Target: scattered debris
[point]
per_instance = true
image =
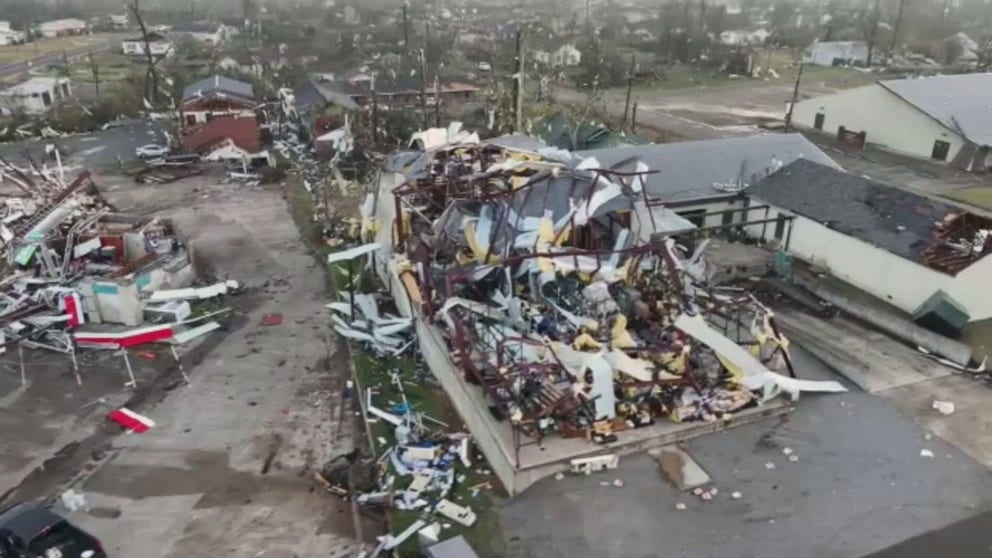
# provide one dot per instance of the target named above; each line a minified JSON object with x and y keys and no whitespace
{"x":131,"y":420}
{"x":680,"y":506}
{"x":273,"y":319}
{"x":769,"y":465}
{"x":943,"y":407}
{"x":926,"y":453}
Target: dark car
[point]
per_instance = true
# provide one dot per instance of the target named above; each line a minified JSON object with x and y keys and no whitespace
{"x":32,"y":531}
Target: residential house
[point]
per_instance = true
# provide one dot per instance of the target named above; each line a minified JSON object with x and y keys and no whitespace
{"x":702,"y":181}
{"x":63,"y":28}
{"x":158,"y":44}
{"x":35,"y":95}
{"x":207,"y":33}
{"x":401,"y":90}
{"x":10,"y":36}
{"x":566,"y":55}
{"x":942,"y":118}
{"x":120,"y":22}
{"x":898,"y":246}
{"x":216,"y":96}
{"x":837,"y":53}
{"x":218,"y":120}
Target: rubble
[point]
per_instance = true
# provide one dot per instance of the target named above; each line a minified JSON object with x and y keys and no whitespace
{"x":580,"y":310}
{"x":81,"y":277}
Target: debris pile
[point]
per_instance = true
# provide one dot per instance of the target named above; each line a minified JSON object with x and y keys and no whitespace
{"x":576,"y":306}
{"x":80,"y":276}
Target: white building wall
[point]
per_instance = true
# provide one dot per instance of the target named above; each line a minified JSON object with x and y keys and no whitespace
{"x":889,"y":122}
{"x":158,"y":48}
{"x":903,"y":283}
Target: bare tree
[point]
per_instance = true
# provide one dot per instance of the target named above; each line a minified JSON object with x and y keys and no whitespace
{"x":151,"y":73}
{"x":870,"y":29}
{"x":96,"y":74}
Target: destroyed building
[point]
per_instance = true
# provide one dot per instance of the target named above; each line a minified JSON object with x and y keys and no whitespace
{"x":557,"y":310}
{"x":82,"y":277}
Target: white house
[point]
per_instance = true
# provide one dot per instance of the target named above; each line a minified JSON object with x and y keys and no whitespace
{"x":119,"y":21}
{"x":63,"y":27}
{"x":566,"y":55}
{"x":158,"y":44}
{"x":35,"y":95}
{"x":943,"y":118}
{"x":898,"y":246}
{"x":837,"y":53}
{"x":10,"y":36}
{"x":208,"y":33}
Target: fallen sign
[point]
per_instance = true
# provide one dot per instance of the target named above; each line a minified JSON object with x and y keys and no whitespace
{"x":216,"y":289}
{"x":454,"y":512}
{"x":131,"y":420}
{"x":587,"y":465}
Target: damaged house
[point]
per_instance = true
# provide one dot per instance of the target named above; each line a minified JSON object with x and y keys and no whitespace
{"x":559,"y":313}
{"x":219,"y":119}
{"x":908,"y":250}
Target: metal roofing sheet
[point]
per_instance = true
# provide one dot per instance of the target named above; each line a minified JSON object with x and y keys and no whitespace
{"x":689,"y":170}
{"x":959,"y":102}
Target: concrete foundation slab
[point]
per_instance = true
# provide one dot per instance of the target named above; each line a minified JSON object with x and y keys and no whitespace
{"x":870,"y":359}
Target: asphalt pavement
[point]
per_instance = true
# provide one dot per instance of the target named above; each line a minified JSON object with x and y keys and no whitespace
{"x":97,"y":150}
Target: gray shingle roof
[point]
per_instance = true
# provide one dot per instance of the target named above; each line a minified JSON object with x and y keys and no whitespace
{"x":688,"y":171}
{"x":895,"y":220}
{"x":962,"y":103}
{"x":218,"y":83}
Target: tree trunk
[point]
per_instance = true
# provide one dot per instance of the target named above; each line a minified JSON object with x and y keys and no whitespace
{"x":151,"y":74}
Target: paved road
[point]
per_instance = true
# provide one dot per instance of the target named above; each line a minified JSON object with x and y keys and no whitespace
{"x":94,"y":151}
{"x":860,"y":485}
{"x":12,"y":69}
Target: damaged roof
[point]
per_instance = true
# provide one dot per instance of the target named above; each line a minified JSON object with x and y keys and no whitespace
{"x":959,"y":102}
{"x":690,"y":171}
{"x":895,"y":220}
{"x":220,"y":84}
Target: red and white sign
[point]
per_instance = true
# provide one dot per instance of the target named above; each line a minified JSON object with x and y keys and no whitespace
{"x":126,"y":339}
{"x":131,"y":420}
{"x":74,"y":308}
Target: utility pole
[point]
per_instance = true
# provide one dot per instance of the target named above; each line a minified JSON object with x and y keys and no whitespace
{"x":96,"y":75}
{"x":427,"y":39}
{"x":795,"y":98}
{"x":895,"y":26}
{"x":423,"y":88}
{"x":630,"y":85}
{"x":375,"y":112}
{"x":872,"y":33}
{"x":437,"y":104}
{"x":633,"y":119}
{"x":406,"y":33}
{"x":518,"y":93}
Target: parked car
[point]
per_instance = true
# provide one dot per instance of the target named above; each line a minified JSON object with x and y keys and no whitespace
{"x":151,"y":151}
{"x":33,"y":531}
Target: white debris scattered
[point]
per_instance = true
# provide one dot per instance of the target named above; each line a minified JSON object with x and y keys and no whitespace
{"x":735,"y":495}
{"x":943,"y":407}
{"x":680,"y":506}
{"x":793,"y":458}
{"x":786,"y":451}
{"x":73,"y":500}
{"x":769,"y":465}
{"x":926,"y":453}
{"x":618,"y":483}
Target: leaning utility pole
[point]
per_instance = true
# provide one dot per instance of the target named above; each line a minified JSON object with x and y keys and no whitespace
{"x":633,"y":119}
{"x":795,"y":98}
{"x":518,"y":91}
{"x":423,"y":89}
{"x":630,"y":84}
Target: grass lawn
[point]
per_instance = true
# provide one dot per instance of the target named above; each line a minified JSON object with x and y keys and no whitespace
{"x":370,"y":371}
{"x":980,"y":196}
{"x":41,"y":47}
{"x":683,"y":76}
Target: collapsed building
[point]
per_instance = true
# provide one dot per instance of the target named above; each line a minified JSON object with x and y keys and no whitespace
{"x":80,"y":276}
{"x":560,"y":310}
